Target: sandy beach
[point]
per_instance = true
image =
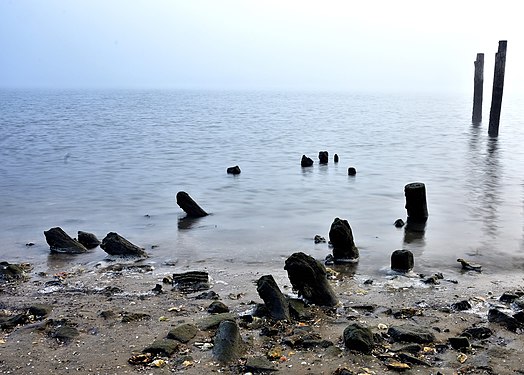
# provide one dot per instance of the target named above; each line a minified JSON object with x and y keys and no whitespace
{"x":94,"y":320}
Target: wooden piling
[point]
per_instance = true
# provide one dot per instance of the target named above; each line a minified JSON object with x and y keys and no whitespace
{"x":416,"y":205}
{"x":498,"y":88}
{"x":478,"y":88}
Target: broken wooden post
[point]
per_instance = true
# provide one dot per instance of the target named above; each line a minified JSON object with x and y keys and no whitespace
{"x":478,"y":88}
{"x":498,"y":88}
{"x":191,"y":208}
{"x":416,"y":204}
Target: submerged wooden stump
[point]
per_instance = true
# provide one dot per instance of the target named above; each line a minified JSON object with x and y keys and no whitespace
{"x":416,"y":205}
{"x":341,"y":237}
{"x":89,"y":240}
{"x":323,"y":157}
{"x":114,"y":244}
{"x":190,"y":207}
{"x":306,"y":162}
{"x":402,"y":261}
{"x":274,"y":300}
{"x":60,"y":242}
{"x":309,"y":278}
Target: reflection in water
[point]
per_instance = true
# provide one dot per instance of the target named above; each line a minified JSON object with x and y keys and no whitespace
{"x":187,"y":222}
{"x":491,"y":186}
{"x":414,"y":236}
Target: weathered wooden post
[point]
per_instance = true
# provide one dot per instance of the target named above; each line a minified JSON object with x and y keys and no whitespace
{"x":478,"y":88}
{"x":416,"y":205}
{"x":498,"y":88}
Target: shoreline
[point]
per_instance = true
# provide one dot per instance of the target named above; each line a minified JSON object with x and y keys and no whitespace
{"x":97,"y":301}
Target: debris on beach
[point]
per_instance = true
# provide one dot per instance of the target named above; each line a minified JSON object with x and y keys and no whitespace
{"x":60,"y":242}
{"x":469,"y":266}
{"x":309,"y":278}
{"x":191,"y":281}
{"x":190,"y":207}
{"x":12,"y":272}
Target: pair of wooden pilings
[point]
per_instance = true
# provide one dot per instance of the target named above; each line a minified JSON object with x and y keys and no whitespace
{"x":498,"y":88}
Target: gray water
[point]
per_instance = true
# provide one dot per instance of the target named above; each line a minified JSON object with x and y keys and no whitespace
{"x":102,"y":161}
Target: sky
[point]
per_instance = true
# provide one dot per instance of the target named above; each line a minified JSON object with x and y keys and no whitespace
{"x":327,"y":45}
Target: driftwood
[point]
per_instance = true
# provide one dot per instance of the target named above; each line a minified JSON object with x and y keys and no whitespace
{"x":114,"y":244}
{"x":190,"y":207}
{"x":275,"y":301}
{"x":60,"y":242}
{"x":308,"y":276}
{"x":191,"y":281}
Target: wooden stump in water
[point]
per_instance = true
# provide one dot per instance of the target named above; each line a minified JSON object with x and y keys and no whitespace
{"x":498,"y":89}
{"x":274,"y":300}
{"x":114,"y":244}
{"x":402,"y":261}
{"x":190,"y":207}
{"x":323,"y":157}
{"x":416,"y":205}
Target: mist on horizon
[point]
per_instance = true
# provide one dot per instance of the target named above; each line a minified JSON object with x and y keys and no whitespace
{"x":271,"y":45}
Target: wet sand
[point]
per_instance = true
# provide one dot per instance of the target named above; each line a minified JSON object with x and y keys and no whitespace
{"x":115,"y":315}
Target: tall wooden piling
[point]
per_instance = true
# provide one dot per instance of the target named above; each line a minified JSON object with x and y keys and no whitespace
{"x":498,"y":88}
{"x":478,"y":88}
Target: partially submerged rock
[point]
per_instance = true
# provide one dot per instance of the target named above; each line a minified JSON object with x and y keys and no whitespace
{"x":60,"y":242}
{"x":233,"y":170}
{"x":306,"y":162}
{"x":190,"y":207}
{"x":309,"y":278}
{"x":228,"y":344}
{"x":341,"y":237}
{"x":114,"y":244}
{"x":89,"y":240}
{"x":276,"y":303}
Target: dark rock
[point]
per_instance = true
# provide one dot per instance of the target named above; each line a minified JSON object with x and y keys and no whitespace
{"x":519,"y":317}
{"x":192,"y":281}
{"x":260,"y":310}
{"x":319,"y":239}
{"x":416,"y":205}
{"x":228,"y":344}
{"x":343,"y":371}
{"x":7,"y":323}
{"x":40,"y":310}
{"x":233,"y":170}
{"x":410,"y":348}
{"x":107,"y":314}
{"x":60,"y":242}
{"x":134,"y":317}
{"x":157,"y":289}
{"x":89,"y":240}
{"x":183,"y":332}
{"x":402,"y":261}
{"x":64,"y":333}
{"x":10,"y":271}
{"x":208,"y":295}
{"x":478,"y":333}
{"x":260,"y":364}
{"x":497,"y":316}
{"x":190,"y":207}
{"x":352,"y":171}
{"x":411,"y":333}
{"x":308,"y":276}
{"x":399,"y":223}
{"x":214,"y":320}
{"x":298,"y":310}
{"x":336,"y":158}
{"x":306,"y":162}
{"x":461,"y":306}
{"x":358,"y":337}
{"x":276,"y":303}
{"x":341,"y":237}
{"x":323,"y":157}
{"x":217,"y":307}
{"x":458,"y":343}
{"x":508,"y":297}
{"x":162,"y":347}
{"x":413,"y":360}
{"x":114,"y":244}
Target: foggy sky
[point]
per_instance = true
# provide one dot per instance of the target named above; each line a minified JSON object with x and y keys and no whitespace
{"x":242,"y":44}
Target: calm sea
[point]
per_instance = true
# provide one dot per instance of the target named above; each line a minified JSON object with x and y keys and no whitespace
{"x":103,"y":161}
